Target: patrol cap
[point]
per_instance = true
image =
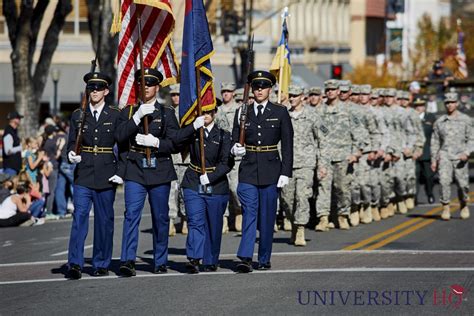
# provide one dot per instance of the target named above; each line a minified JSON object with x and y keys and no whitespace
{"x":344,"y":85}
{"x":355,"y":89}
{"x":14,"y":115}
{"x":390,"y":92}
{"x":152,"y":76}
{"x":174,"y":88}
{"x":251,"y":95}
{"x":295,"y":90}
{"x":239,"y":94}
{"x":419,"y":101}
{"x":331,"y":84}
{"x":399,"y":94}
{"x":451,"y":97}
{"x":228,"y":86}
{"x":97,"y":81}
{"x":406,"y":95}
{"x":365,"y":88}
{"x":375,"y":93}
{"x":315,"y":91}
{"x":261,"y":79}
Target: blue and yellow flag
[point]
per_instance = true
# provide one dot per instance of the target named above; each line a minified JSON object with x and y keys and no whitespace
{"x":197,"y":51}
{"x":281,"y":61}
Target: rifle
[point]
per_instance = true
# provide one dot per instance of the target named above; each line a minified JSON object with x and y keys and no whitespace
{"x":245,"y":103}
{"x":82,"y":117}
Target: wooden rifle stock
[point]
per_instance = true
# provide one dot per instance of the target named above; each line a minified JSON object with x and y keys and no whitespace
{"x":82,"y":117}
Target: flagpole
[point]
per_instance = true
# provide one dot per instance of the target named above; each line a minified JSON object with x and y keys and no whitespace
{"x":142,"y":80}
{"x":201,"y":130}
{"x":282,"y":56}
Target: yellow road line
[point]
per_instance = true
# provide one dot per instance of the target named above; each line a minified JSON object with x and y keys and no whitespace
{"x":403,"y":233}
{"x":401,"y":226}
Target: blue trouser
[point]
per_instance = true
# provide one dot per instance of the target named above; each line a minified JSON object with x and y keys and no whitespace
{"x":259,"y":206}
{"x":65,"y":179}
{"x":103,"y":225}
{"x":135,"y":194}
{"x":205,"y":214}
{"x":36,"y":208}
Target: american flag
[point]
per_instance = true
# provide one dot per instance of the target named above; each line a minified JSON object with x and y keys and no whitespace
{"x":157,"y":24}
{"x":461,"y":72}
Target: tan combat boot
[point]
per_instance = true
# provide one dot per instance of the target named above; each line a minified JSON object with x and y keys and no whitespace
{"x":323,"y":224}
{"x":384,"y":212}
{"x":343,"y":224}
{"x":286,"y":225}
{"x":391,"y":209}
{"x":464,"y":211}
{"x":184,"y":227}
{"x":172,"y":230}
{"x":367,"y":218}
{"x":275,"y":228}
{"x":375,"y":213}
{"x":402,"y":208}
{"x":238,"y":222}
{"x":225,"y":225}
{"x":362,"y":213}
{"x":354,"y":219}
{"x":410,"y":203}
{"x":331,"y":225}
{"x":300,"y":241}
{"x":446,"y":215}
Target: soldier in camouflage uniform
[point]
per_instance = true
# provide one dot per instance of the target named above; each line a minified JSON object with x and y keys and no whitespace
{"x":295,"y":196}
{"x":360,"y":194}
{"x":341,"y":143}
{"x":239,"y":95}
{"x":226,"y":114}
{"x":414,"y":148}
{"x":355,"y":93}
{"x":451,"y":144}
{"x":176,"y":202}
{"x":376,"y":172}
{"x":314,"y":97}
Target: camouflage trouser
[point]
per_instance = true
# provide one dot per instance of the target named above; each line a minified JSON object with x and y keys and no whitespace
{"x":361,"y":183}
{"x":400,"y":178}
{"x":459,"y":169}
{"x":176,"y":201}
{"x":294,"y":199}
{"x":234,"y":203}
{"x":337,"y":181}
{"x":386,"y":183}
{"x":410,"y":168}
{"x":375,"y":182}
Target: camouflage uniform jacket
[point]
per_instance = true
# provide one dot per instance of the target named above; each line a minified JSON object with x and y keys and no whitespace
{"x":382,"y":127}
{"x":370,"y":124}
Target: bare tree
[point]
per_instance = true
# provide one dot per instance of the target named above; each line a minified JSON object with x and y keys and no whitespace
{"x":105,"y":45}
{"x":29,"y":80}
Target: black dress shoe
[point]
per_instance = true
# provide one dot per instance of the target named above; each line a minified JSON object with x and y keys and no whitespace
{"x":264,"y":266}
{"x":74,"y":272}
{"x":210,"y":268}
{"x":193,"y":266}
{"x":245,"y":266}
{"x":127,"y":269}
{"x":431,"y":199}
{"x":160,"y":269}
{"x":98,"y":272}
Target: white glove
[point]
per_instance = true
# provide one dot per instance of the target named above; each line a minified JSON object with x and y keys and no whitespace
{"x":116,"y":179}
{"x":238,"y":150}
{"x":143,"y":110}
{"x":198,"y":122}
{"x":147,"y":140}
{"x":282,"y":181}
{"x":204,"y":179}
{"x":73,"y":158}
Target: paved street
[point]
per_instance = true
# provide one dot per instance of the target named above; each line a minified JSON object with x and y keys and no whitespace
{"x":406,"y":264}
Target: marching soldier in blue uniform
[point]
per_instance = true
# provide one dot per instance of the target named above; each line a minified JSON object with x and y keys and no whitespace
{"x":142,"y":177}
{"x":95,"y":178}
{"x":206,"y":195}
{"x":262,"y":170}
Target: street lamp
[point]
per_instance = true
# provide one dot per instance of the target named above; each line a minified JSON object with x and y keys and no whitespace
{"x":55,"y":74}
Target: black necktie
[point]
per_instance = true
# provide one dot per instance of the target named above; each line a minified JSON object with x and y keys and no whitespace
{"x":206,"y":132}
{"x":95,"y":115}
{"x":259,"y":110}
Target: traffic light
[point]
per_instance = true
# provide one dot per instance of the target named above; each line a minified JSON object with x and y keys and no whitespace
{"x":336,"y":71}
